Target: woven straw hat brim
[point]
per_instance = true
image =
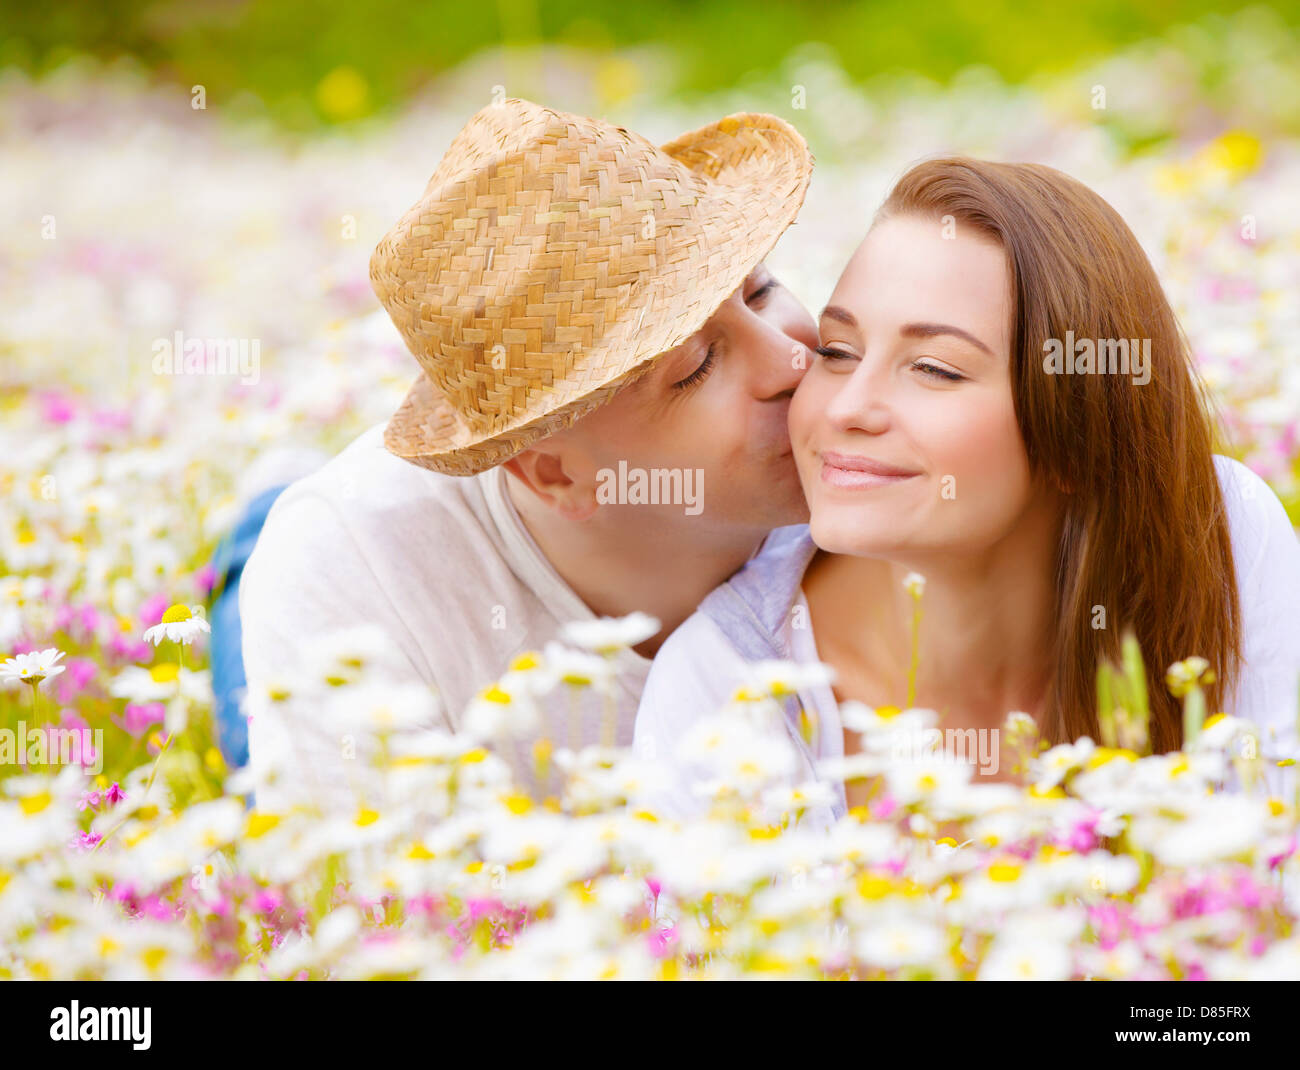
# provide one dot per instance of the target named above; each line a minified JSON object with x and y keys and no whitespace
{"x":755,"y":170}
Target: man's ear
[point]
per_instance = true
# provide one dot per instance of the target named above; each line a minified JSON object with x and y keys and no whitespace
{"x":542,"y":470}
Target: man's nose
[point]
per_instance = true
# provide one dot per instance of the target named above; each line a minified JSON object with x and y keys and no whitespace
{"x":779,"y":363}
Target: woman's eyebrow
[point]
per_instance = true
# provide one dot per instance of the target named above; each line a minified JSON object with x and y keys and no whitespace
{"x":842,"y":314}
{"x":929,"y":330}
{"x":910,"y":330}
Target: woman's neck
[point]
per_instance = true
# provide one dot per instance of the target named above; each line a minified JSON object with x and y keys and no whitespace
{"x":985,"y":635}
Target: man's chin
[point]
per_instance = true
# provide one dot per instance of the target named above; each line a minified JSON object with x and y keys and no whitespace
{"x":793,"y":510}
{"x":797,"y":514}
{"x":775,"y":502}
{"x":792,"y":506}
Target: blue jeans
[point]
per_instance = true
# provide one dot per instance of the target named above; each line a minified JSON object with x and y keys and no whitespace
{"x":228,"y":680}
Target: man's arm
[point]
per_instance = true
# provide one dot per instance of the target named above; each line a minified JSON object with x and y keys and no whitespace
{"x":306,"y":590}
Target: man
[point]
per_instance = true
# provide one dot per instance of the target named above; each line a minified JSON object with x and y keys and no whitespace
{"x":592,"y":318}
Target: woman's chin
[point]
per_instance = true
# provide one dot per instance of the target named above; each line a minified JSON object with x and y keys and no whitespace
{"x":854,"y":535}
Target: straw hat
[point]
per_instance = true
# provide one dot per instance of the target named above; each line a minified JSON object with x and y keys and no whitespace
{"x":553,"y":256}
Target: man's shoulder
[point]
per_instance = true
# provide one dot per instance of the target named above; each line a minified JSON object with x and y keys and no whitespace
{"x":368,"y":492}
{"x":368,"y":526}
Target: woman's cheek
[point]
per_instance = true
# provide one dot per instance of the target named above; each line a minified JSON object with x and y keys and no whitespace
{"x":803,"y":407}
{"x":986,"y":460}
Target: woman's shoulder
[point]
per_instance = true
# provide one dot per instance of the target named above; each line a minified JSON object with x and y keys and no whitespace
{"x":1243,"y":484}
{"x":697,"y":657}
{"x":694,"y":673}
{"x":1257,"y":522}
{"x":1266,"y":555}
{"x":740,"y":622}
{"x":752,"y":606}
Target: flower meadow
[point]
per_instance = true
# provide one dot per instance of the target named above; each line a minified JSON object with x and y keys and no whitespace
{"x":128,"y":848}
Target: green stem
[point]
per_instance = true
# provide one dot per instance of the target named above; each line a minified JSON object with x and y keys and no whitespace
{"x":1193,"y":714}
{"x":157,"y":761}
{"x":575,"y":720}
{"x":610,"y":717}
{"x":916,"y":652}
{"x":152,"y":773}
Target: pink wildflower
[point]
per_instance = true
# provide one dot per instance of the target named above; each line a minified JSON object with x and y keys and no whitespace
{"x":137,"y":717}
{"x":153,"y":609}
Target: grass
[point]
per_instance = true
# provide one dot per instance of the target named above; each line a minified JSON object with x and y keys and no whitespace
{"x":316,"y":62}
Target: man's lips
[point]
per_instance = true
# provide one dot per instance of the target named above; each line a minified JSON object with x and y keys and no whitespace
{"x":855,"y":472}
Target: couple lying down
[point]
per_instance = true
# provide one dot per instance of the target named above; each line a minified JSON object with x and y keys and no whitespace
{"x":582,"y":302}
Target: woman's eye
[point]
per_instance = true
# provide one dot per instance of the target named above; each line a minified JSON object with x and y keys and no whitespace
{"x":698,"y":375}
{"x":834,"y":354}
{"x":762,"y":292}
{"x":938,"y":372}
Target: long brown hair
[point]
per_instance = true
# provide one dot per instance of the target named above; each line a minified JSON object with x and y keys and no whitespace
{"x":1145,"y":535}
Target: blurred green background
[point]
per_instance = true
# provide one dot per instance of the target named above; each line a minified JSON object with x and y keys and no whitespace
{"x":308,"y":63}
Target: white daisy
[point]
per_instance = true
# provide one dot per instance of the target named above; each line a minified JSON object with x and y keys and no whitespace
{"x":576,"y":668}
{"x":1027,"y":958}
{"x":605,"y":635}
{"x":931,"y":776}
{"x":160,"y":683}
{"x":32,"y":668}
{"x":179,"y":625}
{"x":1184,"y":675}
{"x":1053,"y":766}
{"x":730,"y":747}
{"x":498,"y":713}
{"x":901,"y":941}
{"x":780,"y":677}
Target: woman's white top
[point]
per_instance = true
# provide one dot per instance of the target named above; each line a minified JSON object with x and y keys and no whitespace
{"x":752,"y":617}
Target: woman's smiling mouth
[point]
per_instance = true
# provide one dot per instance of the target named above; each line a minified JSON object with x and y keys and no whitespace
{"x":855,"y":472}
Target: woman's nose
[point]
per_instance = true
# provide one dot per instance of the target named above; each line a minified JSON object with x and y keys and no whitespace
{"x":861,"y":404}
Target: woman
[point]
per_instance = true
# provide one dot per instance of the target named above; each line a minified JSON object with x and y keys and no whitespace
{"x":954,"y":425}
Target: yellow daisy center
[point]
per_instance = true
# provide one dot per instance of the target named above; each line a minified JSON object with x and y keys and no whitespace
{"x":165,"y":673}
{"x":176,"y":614}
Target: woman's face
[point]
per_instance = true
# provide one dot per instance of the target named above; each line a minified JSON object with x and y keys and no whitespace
{"x":903,"y":429}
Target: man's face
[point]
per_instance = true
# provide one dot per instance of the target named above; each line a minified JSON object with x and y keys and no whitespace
{"x":714,"y":410}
